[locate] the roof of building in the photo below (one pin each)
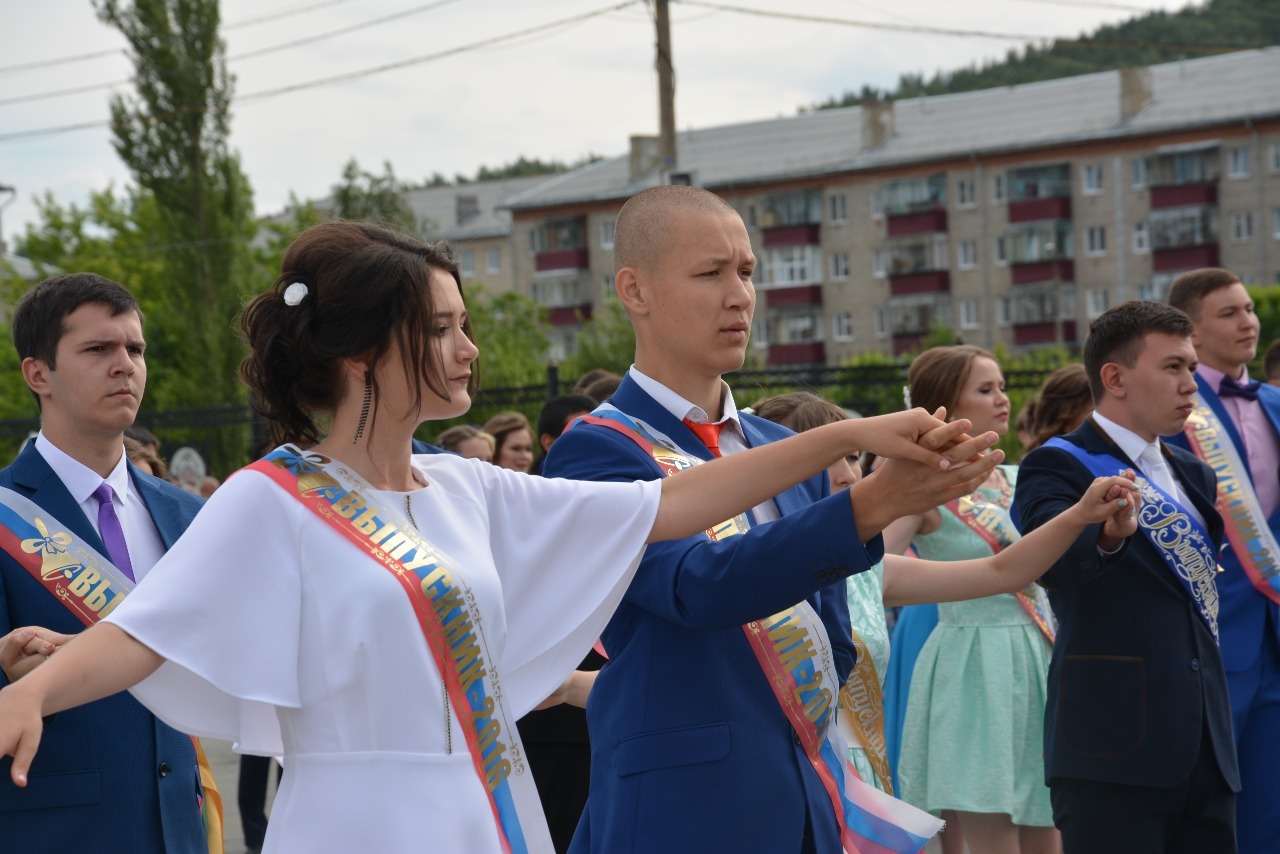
(469, 211)
(23, 267)
(1184, 95)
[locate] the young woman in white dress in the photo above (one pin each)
(266, 625)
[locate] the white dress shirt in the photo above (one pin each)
(140, 534)
(732, 439)
(1133, 446)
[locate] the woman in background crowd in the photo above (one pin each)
(513, 441)
(466, 440)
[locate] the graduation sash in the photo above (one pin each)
(861, 717)
(1252, 540)
(991, 522)
(794, 653)
(90, 587)
(1180, 540)
(451, 625)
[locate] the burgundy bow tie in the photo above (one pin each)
(1230, 388)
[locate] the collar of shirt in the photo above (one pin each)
(79, 479)
(682, 409)
(1130, 442)
(1213, 376)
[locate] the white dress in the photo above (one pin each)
(281, 636)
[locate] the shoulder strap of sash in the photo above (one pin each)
(449, 620)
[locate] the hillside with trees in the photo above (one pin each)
(1218, 26)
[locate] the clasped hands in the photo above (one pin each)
(22, 650)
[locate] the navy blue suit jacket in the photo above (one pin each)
(1242, 618)
(689, 749)
(109, 776)
(1136, 679)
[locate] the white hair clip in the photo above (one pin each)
(295, 293)
(906, 396)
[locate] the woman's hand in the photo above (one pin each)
(21, 726)
(1114, 502)
(572, 691)
(25, 649)
(918, 436)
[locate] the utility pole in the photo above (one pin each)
(666, 90)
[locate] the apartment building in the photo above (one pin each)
(1012, 215)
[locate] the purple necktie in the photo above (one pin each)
(112, 533)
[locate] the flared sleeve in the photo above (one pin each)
(223, 608)
(566, 551)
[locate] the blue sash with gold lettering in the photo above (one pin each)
(1181, 541)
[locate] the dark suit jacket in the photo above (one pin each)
(690, 751)
(109, 776)
(1242, 618)
(1136, 678)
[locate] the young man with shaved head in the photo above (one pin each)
(1235, 428)
(692, 745)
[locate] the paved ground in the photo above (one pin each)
(226, 770)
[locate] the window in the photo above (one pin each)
(1004, 311)
(969, 314)
(839, 265)
(842, 326)
(910, 195)
(1001, 252)
(799, 328)
(1138, 172)
(1095, 240)
(467, 264)
(964, 193)
(606, 235)
(1141, 243)
(1242, 226)
(1238, 162)
(837, 204)
(882, 323)
(801, 207)
(967, 255)
(792, 265)
(1096, 302)
(760, 333)
(877, 206)
(1275, 223)
(879, 260)
(1093, 179)
(493, 260)
(537, 241)
(998, 195)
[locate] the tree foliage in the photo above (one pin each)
(375, 198)
(1218, 26)
(173, 136)
(607, 341)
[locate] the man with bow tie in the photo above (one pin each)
(1235, 427)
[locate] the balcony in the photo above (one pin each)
(806, 234)
(905, 342)
(1028, 334)
(927, 222)
(787, 297)
(1184, 258)
(561, 259)
(1184, 194)
(1036, 272)
(569, 315)
(798, 353)
(923, 282)
(1030, 210)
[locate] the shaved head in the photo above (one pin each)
(641, 231)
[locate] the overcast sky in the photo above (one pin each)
(556, 94)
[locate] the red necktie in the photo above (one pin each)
(709, 434)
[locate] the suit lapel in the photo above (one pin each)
(36, 479)
(164, 509)
(637, 403)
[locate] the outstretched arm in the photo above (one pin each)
(99, 662)
(707, 495)
(909, 581)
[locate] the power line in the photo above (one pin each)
(351, 75)
(951, 31)
(94, 87)
(81, 57)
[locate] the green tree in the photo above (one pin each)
(606, 341)
(173, 136)
(375, 198)
(513, 335)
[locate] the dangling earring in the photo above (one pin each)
(364, 409)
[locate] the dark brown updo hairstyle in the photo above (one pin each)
(937, 376)
(799, 410)
(1064, 400)
(368, 288)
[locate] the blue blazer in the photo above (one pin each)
(689, 749)
(1242, 616)
(1136, 678)
(109, 776)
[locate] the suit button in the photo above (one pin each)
(164, 769)
(795, 736)
(1195, 664)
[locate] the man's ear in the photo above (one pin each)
(1112, 376)
(37, 373)
(630, 286)
(546, 440)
